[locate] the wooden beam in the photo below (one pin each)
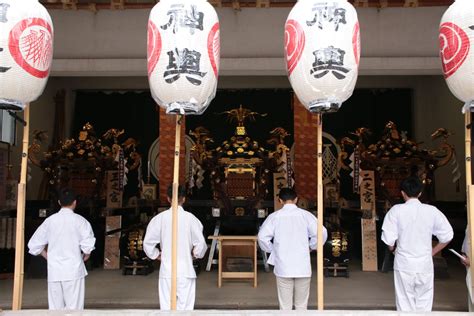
(69, 4)
(361, 3)
(411, 3)
(236, 5)
(262, 3)
(383, 3)
(216, 3)
(93, 7)
(117, 4)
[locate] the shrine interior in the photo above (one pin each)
(97, 129)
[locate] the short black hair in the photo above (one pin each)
(287, 194)
(412, 186)
(66, 196)
(181, 192)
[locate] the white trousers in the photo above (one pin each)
(66, 295)
(413, 291)
(185, 293)
(289, 288)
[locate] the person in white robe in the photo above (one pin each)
(65, 240)
(289, 235)
(408, 230)
(191, 244)
(467, 263)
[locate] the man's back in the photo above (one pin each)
(294, 233)
(412, 226)
(190, 236)
(65, 234)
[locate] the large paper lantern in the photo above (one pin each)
(183, 55)
(456, 42)
(322, 49)
(26, 52)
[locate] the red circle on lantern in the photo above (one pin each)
(294, 44)
(454, 47)
(153, 46)
(31, 46)
(213, 47)
(356, 42)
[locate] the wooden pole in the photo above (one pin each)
(469, 191)
(174, 209)
(20, 218)
(320, 206)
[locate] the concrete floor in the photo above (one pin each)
(107, 289)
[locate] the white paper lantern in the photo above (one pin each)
(183, 55)
(26, 52)
(322, 49)
(456, 41)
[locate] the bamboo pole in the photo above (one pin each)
(320, 206)
(20, 218)
(174, 209)
(469, 191)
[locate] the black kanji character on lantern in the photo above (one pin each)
(184, 62)
(329, 59)
(3, 12)
(180, 17)
(328, 13)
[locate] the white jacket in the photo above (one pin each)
(191, 242)
(411, 225)
(66, 234)
(294, 233)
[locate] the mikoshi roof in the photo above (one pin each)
(94, 5)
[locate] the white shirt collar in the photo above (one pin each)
(289, 206)
(413, 201)
(66, 210)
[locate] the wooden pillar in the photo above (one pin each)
(174, 207)
(20, 218)
(469, 191)
(166, 158)
(305, 151)
(320, 209)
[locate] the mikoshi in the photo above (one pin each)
(183, 67)
(456, 43)
(322, 60)
(25, 63)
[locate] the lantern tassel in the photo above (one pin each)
(468, 107)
